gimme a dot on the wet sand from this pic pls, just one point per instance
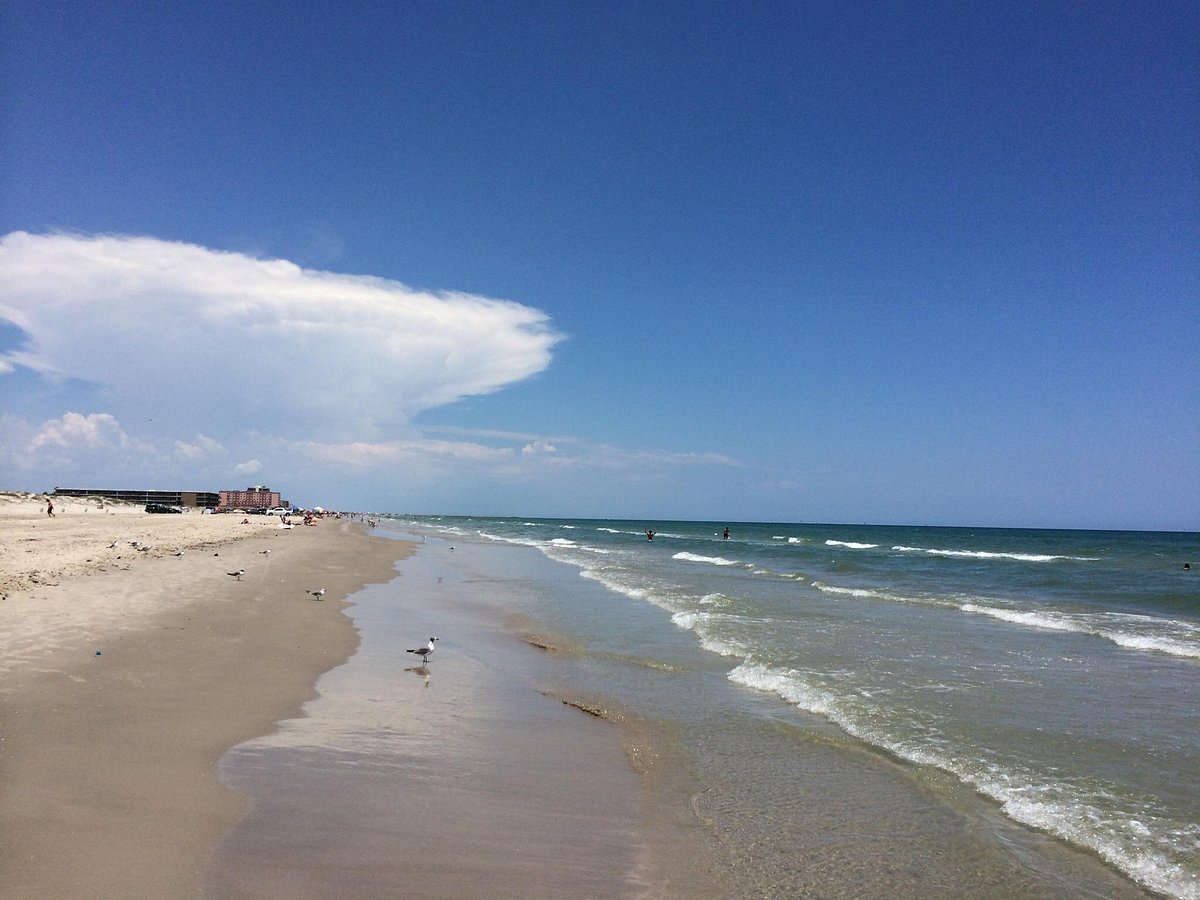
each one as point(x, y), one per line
point(471, 776)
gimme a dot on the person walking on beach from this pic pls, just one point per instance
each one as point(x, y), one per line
point(50, 507)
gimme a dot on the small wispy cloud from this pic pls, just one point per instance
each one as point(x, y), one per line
point(511, 451)
point(250, 467)
point(199, 448)
point(536, 447)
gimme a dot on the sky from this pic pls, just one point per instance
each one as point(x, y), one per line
point(925, 263)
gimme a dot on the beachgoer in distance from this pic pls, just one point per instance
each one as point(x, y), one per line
point(50, 507)
point(650, 534)
point(725, 536)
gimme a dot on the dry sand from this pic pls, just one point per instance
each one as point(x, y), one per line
point(127, 674)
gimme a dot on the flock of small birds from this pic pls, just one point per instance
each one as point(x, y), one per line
point(319, 594)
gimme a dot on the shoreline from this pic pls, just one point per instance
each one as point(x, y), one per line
point(464, 775)
point(128, 675)
point(739, 792)
point(235, 738)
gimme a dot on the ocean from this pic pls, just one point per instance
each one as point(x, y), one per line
point(1054, 676)
point(848, 711)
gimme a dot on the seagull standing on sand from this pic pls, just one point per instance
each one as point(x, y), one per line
point(425, 652)
point(265, 552)
point(318, 595)
point(238, 574)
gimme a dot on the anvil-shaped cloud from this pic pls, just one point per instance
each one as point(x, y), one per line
point(205, 340)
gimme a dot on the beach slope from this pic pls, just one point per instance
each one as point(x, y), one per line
point(127, 674)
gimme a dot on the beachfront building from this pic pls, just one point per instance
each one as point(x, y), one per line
point(258, 497)
point(194, 499)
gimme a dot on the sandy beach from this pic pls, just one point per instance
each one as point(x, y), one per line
point(134, 680)
point(127, 674)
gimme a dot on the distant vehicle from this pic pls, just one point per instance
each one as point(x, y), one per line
point(279, 511)
point(161, 508)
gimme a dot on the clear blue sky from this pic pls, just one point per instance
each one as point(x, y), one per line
point(913, 263)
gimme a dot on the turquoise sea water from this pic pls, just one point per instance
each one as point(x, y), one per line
point(1055, 675)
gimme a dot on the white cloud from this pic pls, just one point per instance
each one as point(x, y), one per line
point(360, 454)
point(98, 431)
point(203, 446)
point(177, 333)
point(250, 467)
point(73, 438)
point(533, 453)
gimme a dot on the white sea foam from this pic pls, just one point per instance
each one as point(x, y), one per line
point(861, 593)
point(771, 573)
point(1183, 639)
point(1155, 644)
point(562, 542)
point(790, 686)
point(852, 545)
point(689, 619)
point(987, 554)
point(712, 560)
point(711, 639)
point(635, 593)
point(1051, 621)
point(1182, 644)
point(874, 594)
point(1143, 853)
point(1125, 843)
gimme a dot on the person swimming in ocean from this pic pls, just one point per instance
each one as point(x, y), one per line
point(650, 534)
point(725, 536)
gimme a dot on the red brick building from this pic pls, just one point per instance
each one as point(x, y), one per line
point(252, 498)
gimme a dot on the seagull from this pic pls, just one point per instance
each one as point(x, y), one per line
point(425, 652)
point(178, 553)
point(142, 548)
point(318, 595)
point(266, 552)
point(112, 545)
point(238, 574)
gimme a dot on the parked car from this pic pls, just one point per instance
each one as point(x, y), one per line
point(161, 508)
point(279, 511)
